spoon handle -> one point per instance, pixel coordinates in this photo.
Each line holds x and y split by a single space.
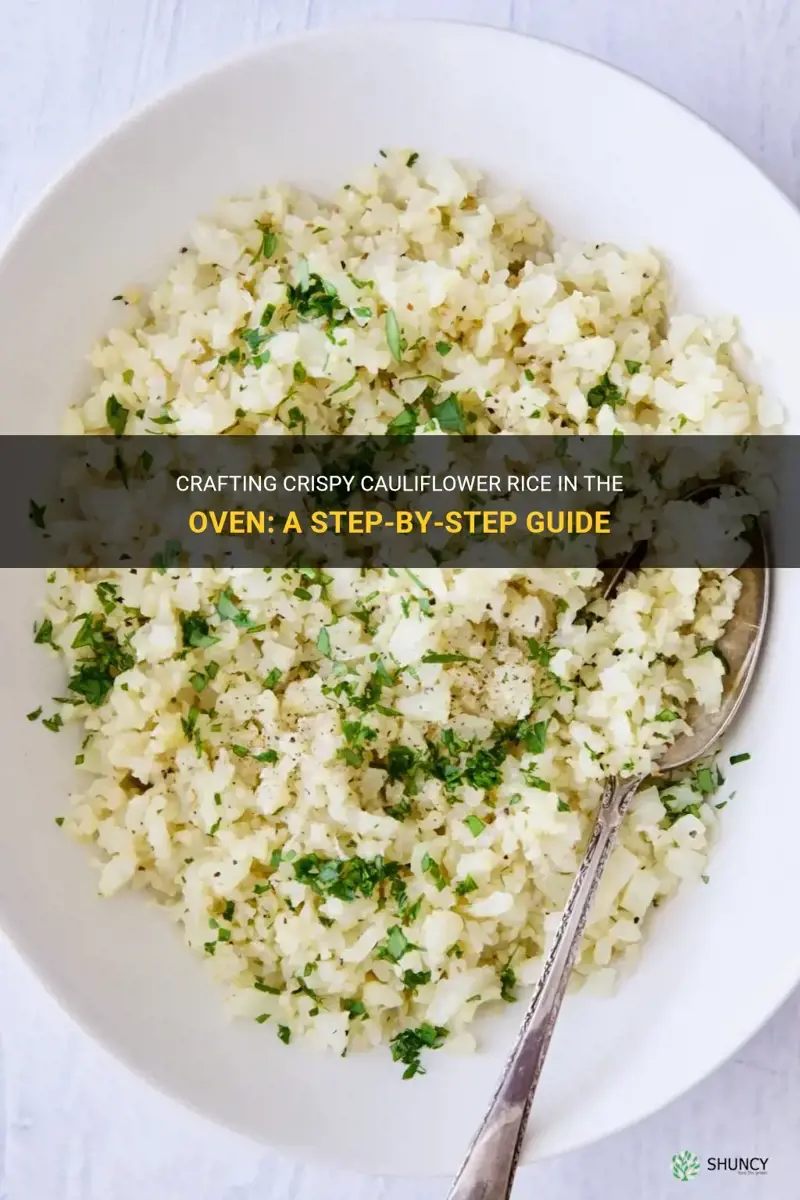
488 1170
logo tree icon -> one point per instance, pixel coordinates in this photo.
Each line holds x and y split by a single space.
685 1166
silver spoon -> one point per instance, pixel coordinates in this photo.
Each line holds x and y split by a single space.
488 1170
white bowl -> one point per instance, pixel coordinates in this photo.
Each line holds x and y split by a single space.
604 157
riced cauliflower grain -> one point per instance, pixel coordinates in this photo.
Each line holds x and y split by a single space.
360 842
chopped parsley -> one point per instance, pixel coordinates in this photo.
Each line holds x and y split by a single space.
269 244
394 338
314 298
508 981
94 675
404 423
540 653
116 415
407 1046
534 781
196 633
707 780
415 979
107 595
483 769
474 824
36 513
432 868
357 734
431 657
466 885
266 756
43 635
200 679
604 392
395 945
229 610
401 761
344 878
450 415
256 341
532 736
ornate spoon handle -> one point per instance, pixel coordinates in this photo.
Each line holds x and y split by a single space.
488 1170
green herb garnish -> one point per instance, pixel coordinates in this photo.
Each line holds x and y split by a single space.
395 946
344 878
604 392
415 979
431 657
404 424
394 338
94 675
269 243
43 636
508 981
534 780
229 610
36 513
116 415
450 415
465 886
432 868
408 1046
195 629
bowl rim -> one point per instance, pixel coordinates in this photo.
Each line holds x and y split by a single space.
271 45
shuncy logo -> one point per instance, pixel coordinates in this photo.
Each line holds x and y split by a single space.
685 1166
742 1166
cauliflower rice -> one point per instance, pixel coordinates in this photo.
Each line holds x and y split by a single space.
363 795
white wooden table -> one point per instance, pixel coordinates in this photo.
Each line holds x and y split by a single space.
73 1124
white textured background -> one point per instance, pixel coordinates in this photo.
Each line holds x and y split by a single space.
74 1125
